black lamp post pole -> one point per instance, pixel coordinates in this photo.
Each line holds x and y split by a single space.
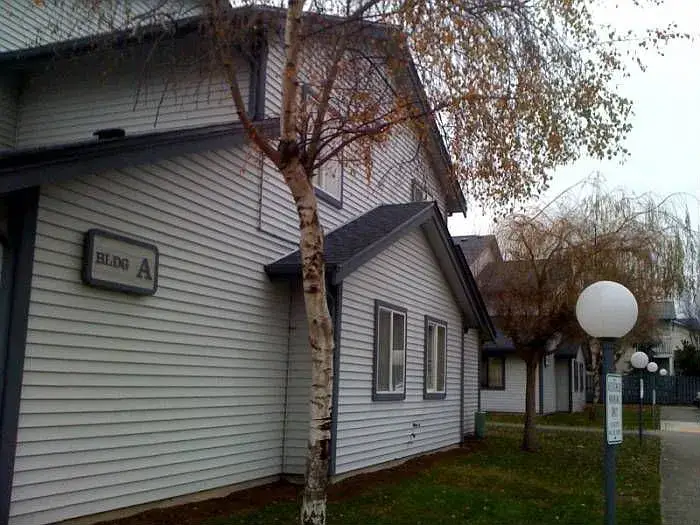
609 459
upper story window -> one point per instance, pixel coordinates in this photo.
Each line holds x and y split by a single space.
389 352
329 182
419 192
435 358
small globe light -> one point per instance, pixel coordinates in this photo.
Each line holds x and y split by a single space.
663 372
606 309
652 367
639 360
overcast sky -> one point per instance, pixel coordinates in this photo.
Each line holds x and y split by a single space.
665 140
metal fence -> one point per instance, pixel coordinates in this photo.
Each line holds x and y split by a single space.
670 390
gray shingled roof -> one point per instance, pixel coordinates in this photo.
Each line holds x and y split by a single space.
473 245
502 344
364 233
689 323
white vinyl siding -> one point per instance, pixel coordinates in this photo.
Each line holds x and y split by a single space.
471 379
9 94
371 432
512 398
66 101
296 427
125 399
390 183
549 386
23 24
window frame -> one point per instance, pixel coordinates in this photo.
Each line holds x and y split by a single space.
322 193
427 393
484 363
380 395
418 186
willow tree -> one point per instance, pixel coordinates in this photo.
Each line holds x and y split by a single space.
551 254
515 88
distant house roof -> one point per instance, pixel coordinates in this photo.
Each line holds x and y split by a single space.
664 310
690 323
475 245
567 351
502 344
356 242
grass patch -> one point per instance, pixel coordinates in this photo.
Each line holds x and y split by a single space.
630 418
495 483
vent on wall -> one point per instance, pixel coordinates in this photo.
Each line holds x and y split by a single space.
109 134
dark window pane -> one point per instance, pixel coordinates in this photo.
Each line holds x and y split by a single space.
430 358
383 350
441 349
495 373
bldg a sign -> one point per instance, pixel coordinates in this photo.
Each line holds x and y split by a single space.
613 408
118 263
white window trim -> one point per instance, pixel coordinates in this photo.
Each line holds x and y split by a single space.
389 395
432 392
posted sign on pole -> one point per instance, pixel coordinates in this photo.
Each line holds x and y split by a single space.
613 408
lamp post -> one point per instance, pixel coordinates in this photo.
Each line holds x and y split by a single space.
607 311
640 360
652 368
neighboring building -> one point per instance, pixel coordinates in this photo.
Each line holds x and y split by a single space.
560 385
671 331
154 342
560 382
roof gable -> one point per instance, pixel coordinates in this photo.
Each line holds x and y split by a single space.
356 242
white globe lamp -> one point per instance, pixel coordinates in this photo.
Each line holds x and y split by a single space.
663 372
606 309
639 360
652 367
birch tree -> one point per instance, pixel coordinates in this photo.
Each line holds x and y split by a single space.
514 89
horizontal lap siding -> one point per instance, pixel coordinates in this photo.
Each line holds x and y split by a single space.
127 399
549 387
512 399
296 429
471 379
23 24
405 274
82 95
395 163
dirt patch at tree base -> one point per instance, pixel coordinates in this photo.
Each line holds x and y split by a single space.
259 497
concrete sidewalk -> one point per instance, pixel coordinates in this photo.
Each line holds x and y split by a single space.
680 465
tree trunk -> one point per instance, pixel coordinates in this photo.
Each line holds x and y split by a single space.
313 509
530 431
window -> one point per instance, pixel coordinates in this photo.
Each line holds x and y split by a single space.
435 358
576 371
389 352
493 373
582 380
329 182
419 192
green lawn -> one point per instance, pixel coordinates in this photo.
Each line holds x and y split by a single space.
495 483
630 418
